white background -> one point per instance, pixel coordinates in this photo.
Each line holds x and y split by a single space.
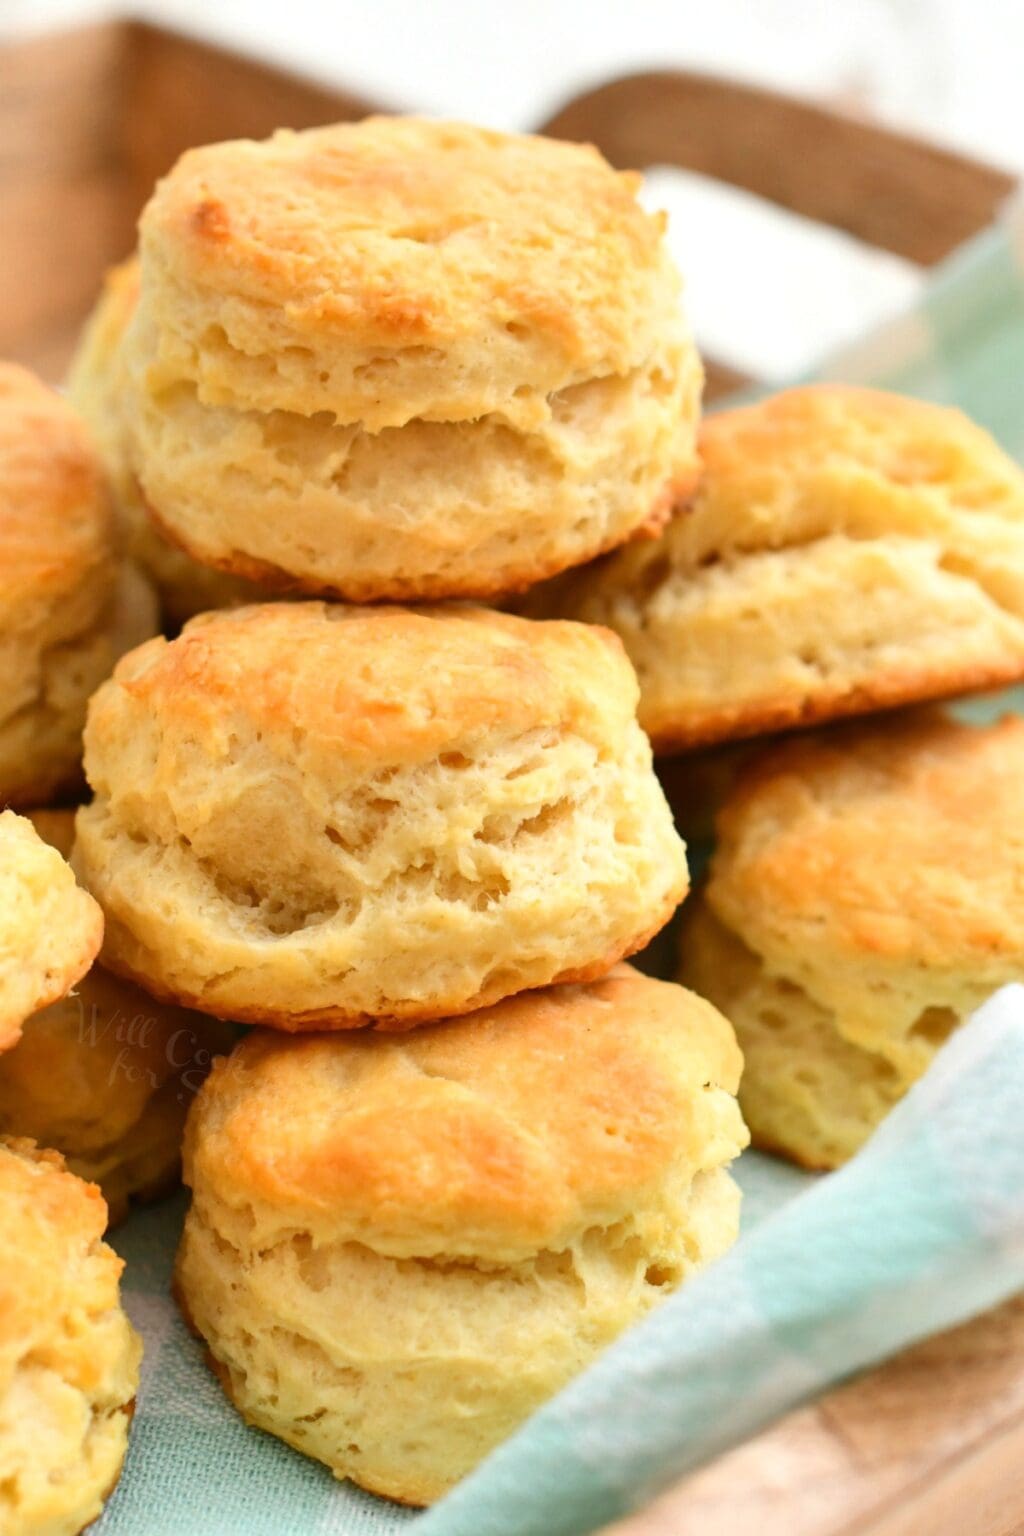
765 294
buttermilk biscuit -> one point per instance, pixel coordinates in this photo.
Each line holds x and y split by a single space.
50 929
96 387
406 359
397 1249
106 1075
863 901
846 551
69 1358
317 816
67 608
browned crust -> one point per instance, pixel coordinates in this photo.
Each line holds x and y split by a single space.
765 717
276 581
319 1019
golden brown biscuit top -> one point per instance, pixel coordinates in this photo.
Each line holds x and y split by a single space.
49 1220
904 440
832 458
496 1135
404 233
56 524
902 842
375 685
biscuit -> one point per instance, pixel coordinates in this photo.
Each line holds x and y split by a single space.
315 816
406 359
67 608
398 1247
860 905
106 1075
847 551
96 387
69 1358
50 929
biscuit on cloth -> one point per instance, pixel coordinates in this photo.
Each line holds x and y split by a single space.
69 1358
68 607
846 551
863 900
398 1247
96 387
313 816
106 1075
50 929
405 359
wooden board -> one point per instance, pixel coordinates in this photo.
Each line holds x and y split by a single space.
931 1444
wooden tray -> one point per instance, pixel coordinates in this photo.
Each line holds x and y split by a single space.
931 1444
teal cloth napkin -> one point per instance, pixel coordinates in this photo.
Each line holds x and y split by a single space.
923 1229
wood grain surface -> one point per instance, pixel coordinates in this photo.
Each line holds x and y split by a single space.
931 1444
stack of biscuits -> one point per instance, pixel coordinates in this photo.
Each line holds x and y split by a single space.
380 853
846 551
